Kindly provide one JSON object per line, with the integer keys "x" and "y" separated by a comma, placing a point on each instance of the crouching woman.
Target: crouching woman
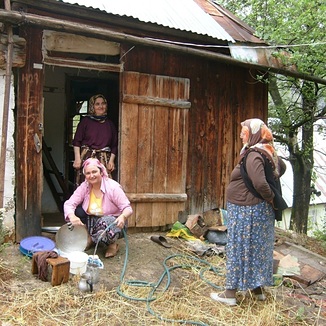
{"x": 101, "y": 205}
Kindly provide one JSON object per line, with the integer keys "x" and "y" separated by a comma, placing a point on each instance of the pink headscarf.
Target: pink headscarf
{"x": 95, "y": 162}
{"x": 259, "y": 137}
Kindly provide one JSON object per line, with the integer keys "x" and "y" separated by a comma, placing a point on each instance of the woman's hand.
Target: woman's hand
{"x": 272, "y": 203}
{"x": 121, "y": 221}
{"x": 111, "y": 166}
{"x": 75, "y": 220}
{"x": 77, "y": 164}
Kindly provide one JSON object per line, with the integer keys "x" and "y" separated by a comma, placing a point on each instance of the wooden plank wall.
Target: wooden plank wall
{"x": 221, "y": 97}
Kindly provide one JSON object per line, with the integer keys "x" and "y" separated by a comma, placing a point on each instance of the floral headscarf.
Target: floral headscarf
{"x": 92, "y": 100}
{"x": 260, "y": 137}
{"x": 96, "y": 162}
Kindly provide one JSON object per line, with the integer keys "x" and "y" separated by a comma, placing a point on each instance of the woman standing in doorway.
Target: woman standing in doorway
{"x": 96, "y": 136}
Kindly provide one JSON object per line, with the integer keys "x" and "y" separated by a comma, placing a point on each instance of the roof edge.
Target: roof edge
{"x": 20, "y": 18}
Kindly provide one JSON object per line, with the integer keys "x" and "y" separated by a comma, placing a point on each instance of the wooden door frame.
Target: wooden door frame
{"x": 29, "y": 127}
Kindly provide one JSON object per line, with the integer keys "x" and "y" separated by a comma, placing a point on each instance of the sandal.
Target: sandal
{"x": 112, "y": 250}
{"x": 159, "y": 239}
{"x": 219, "y": 298}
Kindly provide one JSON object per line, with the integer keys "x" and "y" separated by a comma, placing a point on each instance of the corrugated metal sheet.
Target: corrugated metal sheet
{"x": 237, "y": 28}
{"x": 260, "y": 55}
{"x": 184, "y": 15}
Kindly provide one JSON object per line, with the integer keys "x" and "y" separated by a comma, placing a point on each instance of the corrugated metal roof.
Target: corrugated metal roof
{"x": 184, "y": 15}
{"x": 234, "y": 26}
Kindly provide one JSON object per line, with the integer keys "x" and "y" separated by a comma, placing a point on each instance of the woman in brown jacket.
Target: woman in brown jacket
{"x": 251, "y": 208}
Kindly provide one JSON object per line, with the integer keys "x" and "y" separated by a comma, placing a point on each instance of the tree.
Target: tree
{"x": 298, "y": 28}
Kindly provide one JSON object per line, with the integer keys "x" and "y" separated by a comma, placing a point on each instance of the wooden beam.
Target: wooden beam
{"x": 138, "y": 99}
{"x": 15, "y": 17}
{"x": 82, "y": 64}
{"x": 150, "y": 197}
{"x": 66, "y": 42}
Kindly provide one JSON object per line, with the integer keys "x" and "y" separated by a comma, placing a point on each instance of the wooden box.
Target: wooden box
{"x": 60, "y": 270}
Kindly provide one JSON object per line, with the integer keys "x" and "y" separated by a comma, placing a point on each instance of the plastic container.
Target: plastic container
{"x": 78, "y": 262}
{"x": 34, "y": 244}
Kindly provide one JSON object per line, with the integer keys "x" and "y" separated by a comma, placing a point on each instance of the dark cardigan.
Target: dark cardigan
{"x": 279, "y": 203}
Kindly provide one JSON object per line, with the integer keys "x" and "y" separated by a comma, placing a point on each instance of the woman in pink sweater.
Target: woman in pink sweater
{"x": 98, "y": 203}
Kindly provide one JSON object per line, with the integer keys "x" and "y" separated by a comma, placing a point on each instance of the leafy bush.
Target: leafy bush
{"x": 321, "y": 235}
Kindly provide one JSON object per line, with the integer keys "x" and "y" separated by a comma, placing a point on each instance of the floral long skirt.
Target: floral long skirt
{"x": 103, "y": 229}
{"x": 249, "y": 248}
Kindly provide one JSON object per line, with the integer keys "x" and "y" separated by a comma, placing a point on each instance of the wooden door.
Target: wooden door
{"x": 154, "y": 145}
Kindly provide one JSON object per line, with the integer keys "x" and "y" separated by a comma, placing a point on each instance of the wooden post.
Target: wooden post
{"x": 29, "y": 121}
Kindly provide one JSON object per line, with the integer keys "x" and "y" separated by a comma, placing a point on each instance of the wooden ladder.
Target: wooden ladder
{"x": 50, "y": 168}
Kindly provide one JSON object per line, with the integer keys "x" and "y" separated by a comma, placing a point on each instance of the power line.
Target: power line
{"x": 240, "y": 46}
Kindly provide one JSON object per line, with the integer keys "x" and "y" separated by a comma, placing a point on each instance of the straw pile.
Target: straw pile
{"x": 185, "y": 301}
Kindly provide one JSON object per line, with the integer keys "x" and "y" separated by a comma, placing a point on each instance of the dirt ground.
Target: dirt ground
{"x": 139, "y": 258}
{"x": 144, "y": 260}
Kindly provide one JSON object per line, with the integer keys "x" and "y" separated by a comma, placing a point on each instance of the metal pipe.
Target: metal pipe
{"x": 6, "y": 103}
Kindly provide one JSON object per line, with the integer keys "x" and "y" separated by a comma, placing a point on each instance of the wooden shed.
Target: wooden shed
{"x": 176, "y": 94}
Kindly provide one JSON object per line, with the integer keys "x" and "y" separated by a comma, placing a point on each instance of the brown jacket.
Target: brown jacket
{"x": 238, "y": 193}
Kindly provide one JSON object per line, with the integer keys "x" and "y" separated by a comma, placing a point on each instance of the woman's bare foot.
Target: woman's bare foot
{"x": 112, "y": 250}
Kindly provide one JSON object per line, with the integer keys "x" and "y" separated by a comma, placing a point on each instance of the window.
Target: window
{"x": 81, "y": 108}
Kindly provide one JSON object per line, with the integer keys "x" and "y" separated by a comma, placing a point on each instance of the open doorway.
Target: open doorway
{"x": 66, "y": 95}
{"x": 79, "y": 91}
